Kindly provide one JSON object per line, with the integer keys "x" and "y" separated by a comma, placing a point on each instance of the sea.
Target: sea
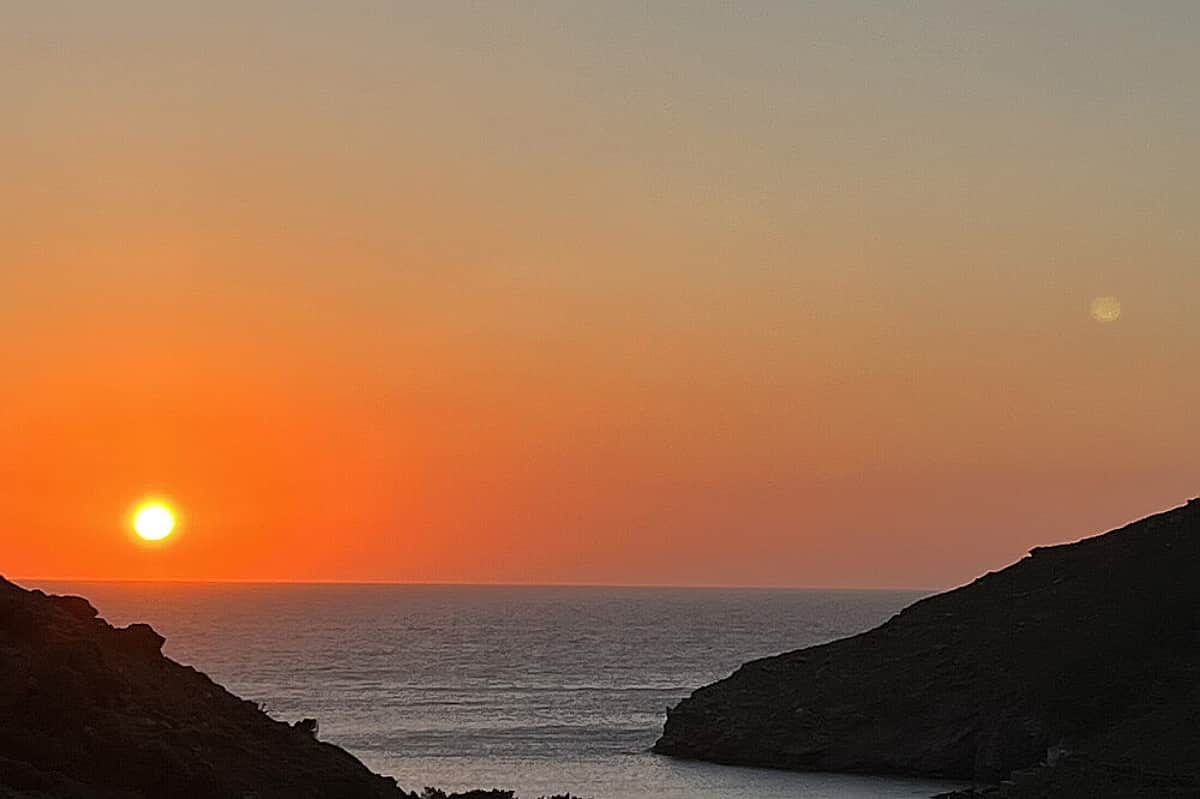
{"x": 537, "y": 689}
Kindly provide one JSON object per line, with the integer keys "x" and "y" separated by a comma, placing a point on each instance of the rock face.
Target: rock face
{"x": 88, "y": 711}
{"x": 1074, "y": 669}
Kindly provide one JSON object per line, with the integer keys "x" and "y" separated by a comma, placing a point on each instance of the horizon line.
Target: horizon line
{"x": 454, "y": 584}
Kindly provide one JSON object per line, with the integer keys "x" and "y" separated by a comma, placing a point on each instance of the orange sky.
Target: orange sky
{"x": 616, "y": 294}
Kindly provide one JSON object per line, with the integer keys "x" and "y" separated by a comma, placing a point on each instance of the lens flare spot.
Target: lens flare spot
{"x": 1106, "y": 309}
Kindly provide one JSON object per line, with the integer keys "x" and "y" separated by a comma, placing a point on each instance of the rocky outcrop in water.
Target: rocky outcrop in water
{"x": 1075, "y": 672}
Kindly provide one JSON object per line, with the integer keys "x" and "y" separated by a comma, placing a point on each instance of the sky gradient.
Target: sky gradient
{"x": 670, "y": 293}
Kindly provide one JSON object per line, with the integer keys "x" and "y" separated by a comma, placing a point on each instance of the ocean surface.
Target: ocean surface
{"x": 537, "y": 689}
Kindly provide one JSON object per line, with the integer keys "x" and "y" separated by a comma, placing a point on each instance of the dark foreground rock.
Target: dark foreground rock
{"x": 1075, "y": 672}
{"x": 88, "y": 711}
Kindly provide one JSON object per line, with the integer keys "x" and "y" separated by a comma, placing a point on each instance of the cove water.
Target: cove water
{"x": 535, "y": 689}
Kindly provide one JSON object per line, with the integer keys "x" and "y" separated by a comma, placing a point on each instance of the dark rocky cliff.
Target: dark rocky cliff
{"x": 90, "y": 711}
{"x": 1075, "y": 671}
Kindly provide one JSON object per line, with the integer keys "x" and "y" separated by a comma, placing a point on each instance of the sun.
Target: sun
{"x": 153, "y": 521}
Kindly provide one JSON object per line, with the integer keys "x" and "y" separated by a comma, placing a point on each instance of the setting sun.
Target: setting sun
{"x": 153, "y": 521}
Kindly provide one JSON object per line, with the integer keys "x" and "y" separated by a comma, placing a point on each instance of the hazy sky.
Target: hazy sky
{"x": 698, "y": 293}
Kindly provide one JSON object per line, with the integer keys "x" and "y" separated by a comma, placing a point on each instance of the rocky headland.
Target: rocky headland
{"x": 1072, "y": 673}
{"x": 89, "y": 711}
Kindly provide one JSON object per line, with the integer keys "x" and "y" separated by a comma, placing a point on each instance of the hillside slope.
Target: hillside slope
{"x": 88, "y": 711}
{"x": 1083, "y": 655}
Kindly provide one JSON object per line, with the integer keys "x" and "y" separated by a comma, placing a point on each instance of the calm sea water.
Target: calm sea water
{"x": 534, "y": 689}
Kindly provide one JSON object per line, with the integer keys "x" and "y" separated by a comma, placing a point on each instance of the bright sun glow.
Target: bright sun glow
{"x": 153, "y": 521}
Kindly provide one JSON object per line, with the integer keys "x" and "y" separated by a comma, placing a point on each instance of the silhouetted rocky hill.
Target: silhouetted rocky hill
{"x": 88, "y": 711}
{"x": 1075, "y": 672}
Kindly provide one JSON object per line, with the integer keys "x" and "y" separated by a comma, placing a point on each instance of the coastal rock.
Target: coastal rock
{"x": 1075, "y": 668}
{"x": 92, "y": 712}
{"x": 140, "y": 639}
